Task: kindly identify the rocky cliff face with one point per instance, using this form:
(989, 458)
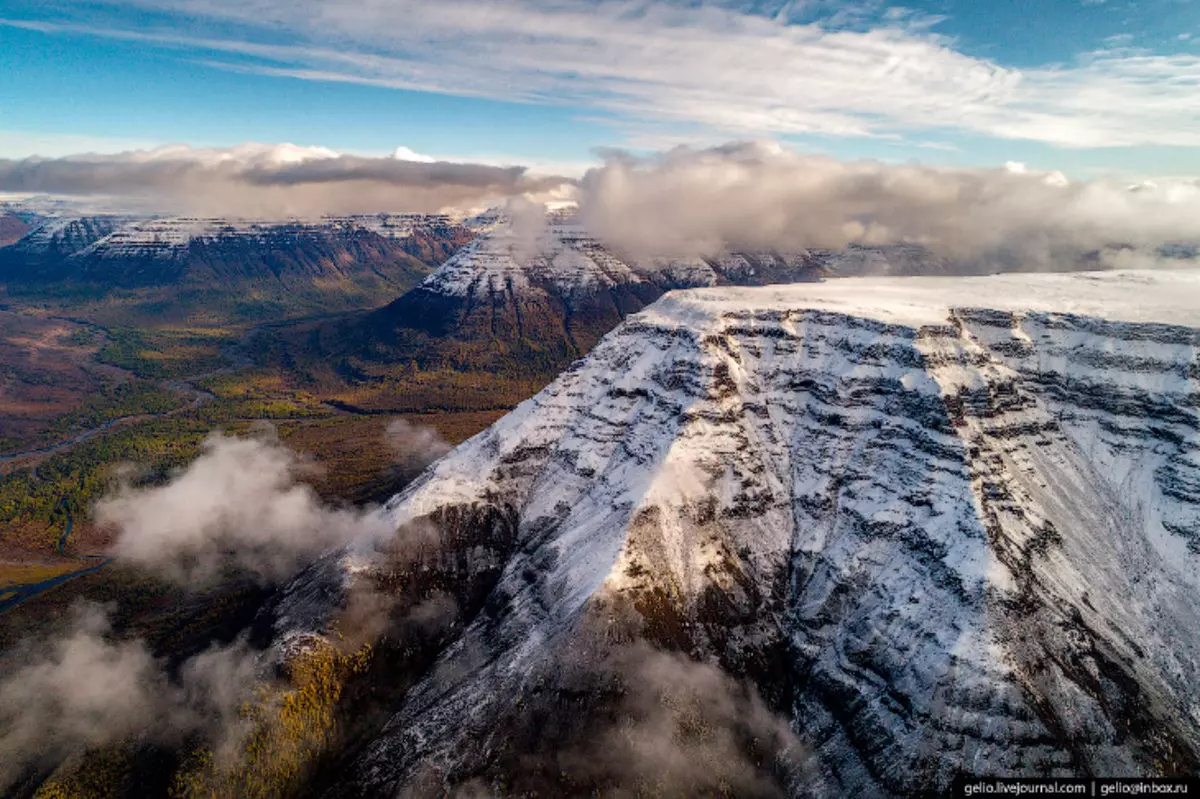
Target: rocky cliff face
(941, 526)
(56, 238)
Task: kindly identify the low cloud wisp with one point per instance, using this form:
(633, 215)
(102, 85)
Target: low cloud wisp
(413, 447)
(87, 688)
(241, 504)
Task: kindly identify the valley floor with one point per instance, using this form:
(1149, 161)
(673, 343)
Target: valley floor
(79, 399)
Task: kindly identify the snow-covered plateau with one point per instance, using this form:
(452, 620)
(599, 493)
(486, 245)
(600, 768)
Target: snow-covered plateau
(958, 520)
(114, 236)
(380, 252)
(565, 260)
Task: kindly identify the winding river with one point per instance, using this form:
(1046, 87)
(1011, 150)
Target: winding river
(18, 594)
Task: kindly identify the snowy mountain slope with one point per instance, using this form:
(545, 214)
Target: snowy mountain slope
(67, 236)
(527, 303)
(172, 237)
(565, 260)
(939, 539)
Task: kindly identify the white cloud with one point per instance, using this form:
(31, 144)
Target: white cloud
(710, 65)
(250, 153)
(1108, 99)
(536, 166)
(88, 688)
(404, 154)
(274, 181)
(762, 196)
(240, 504)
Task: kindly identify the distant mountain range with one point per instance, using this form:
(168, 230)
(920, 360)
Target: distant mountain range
(417, 311)
(321, 266)
(128, 252)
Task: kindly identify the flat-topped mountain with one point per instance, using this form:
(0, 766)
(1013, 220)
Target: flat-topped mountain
(186, 266)
(941, 526)
(120, 251)
(55, 239)
(520, 306)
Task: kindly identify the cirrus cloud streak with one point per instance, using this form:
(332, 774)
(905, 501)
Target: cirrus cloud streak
(712, 65)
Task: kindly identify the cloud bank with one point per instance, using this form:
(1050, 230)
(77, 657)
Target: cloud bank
(686, 201)
(272, 181)
(760, 196)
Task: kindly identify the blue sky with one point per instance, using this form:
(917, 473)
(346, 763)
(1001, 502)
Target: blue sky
(1084, 86)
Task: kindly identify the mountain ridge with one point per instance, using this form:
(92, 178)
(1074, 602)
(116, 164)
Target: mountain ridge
(129, 252)
(205, 271)
(517, 307)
